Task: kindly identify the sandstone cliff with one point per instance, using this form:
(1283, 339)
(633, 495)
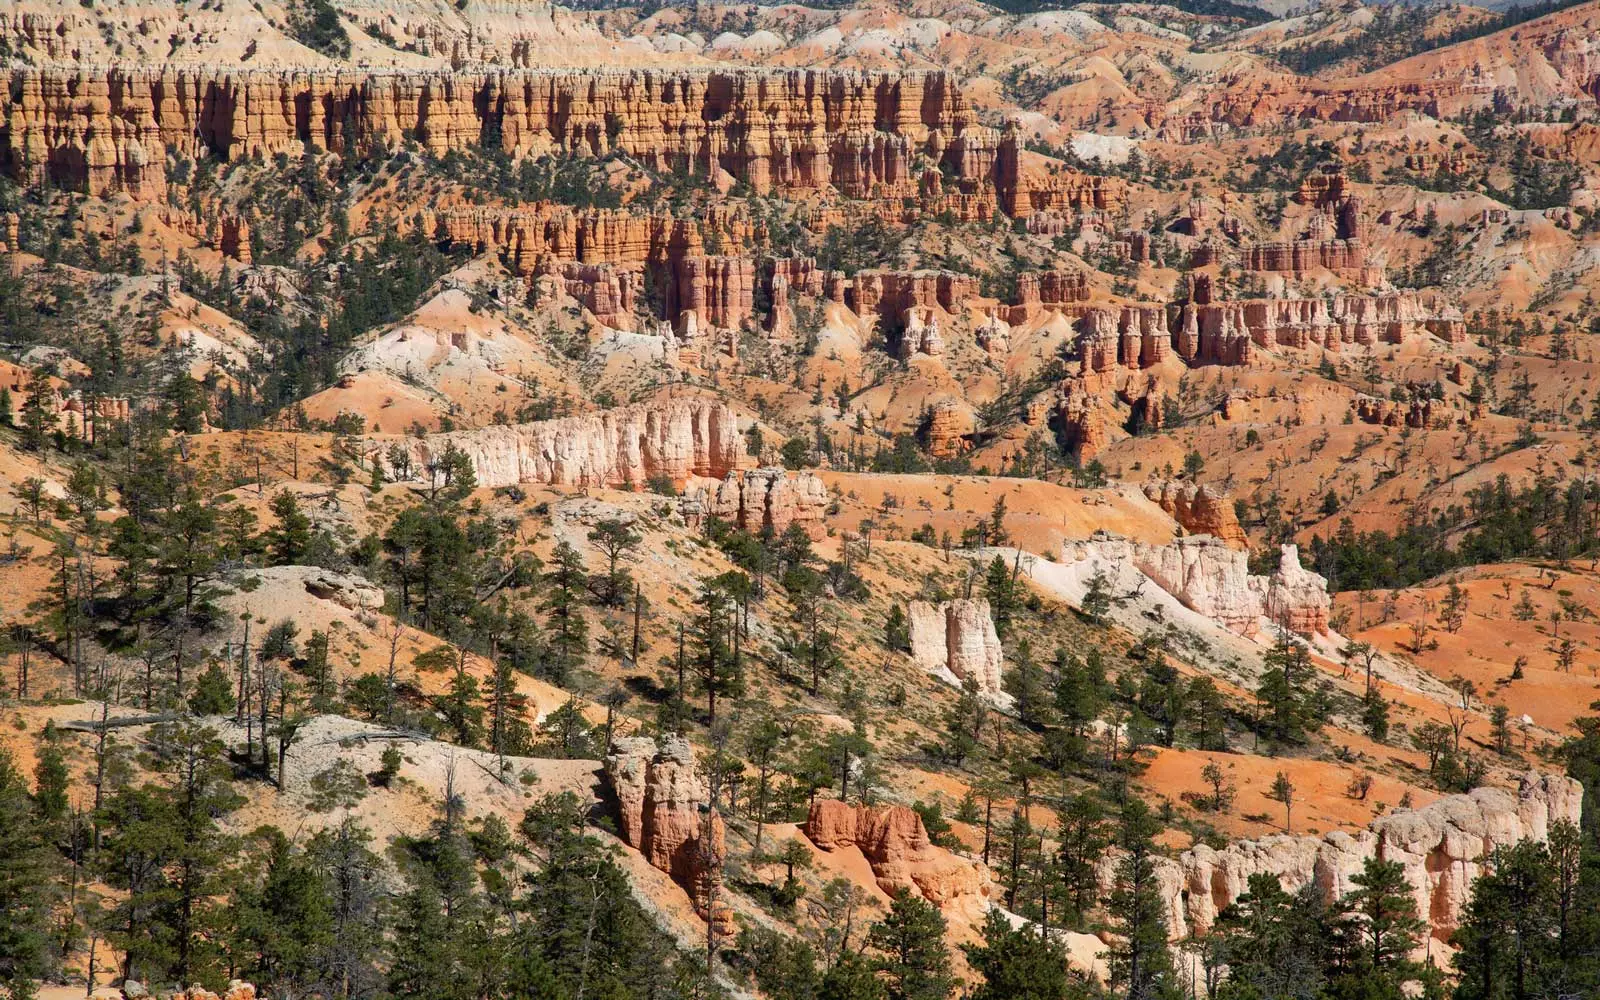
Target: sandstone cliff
(761, 499)
(1200, 509)
(676, 438)
(1214, 580)
(897, 846)
(958, 636)
(667, 816)
(1229, 333)
(1442, 846)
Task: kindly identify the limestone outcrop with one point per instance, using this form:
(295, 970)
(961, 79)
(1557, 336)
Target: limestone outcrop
(897, 847)
(958, 636)
(1200, 509)
(113, 129)
(667, 815)
(676, 439)
(761, 499)
(1214, 580)
(1228, 333)
(1422, 412)
(1133, 336)
(1442, 846)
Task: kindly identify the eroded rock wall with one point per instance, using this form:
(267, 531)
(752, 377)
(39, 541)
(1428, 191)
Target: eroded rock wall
(676, 438)
(897, 847)
(1229, 332)
(959, 636)
(667, 815)
(1442, 846)
(760, 499)
(1214, 580)
(104, 129)
(1200, 509)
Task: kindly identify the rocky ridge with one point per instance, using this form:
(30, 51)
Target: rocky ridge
(1442, 846)
(1214, 580)
(673, 439)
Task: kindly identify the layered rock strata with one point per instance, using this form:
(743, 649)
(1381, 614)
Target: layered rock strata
(675, 439)
(958, 636)
(1133, 336)
(667, 815)
(105, 129)
(1442, 846)
(897, 847)
(1213, 580)
(1201, 509)
(1229, 333)
(762, 499)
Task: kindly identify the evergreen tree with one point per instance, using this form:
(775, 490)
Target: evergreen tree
(614, 538)
(1273, 944)
(50, 780)
(290, 539)
(1141, 964)
(909, 942)
(1379, 918)
(896, 631)
(569, 631)
(284, 926)
(213, 691)
(1021, 964)
(26, 864)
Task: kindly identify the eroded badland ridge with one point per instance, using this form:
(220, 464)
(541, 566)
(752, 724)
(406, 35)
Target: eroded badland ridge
(876, 500)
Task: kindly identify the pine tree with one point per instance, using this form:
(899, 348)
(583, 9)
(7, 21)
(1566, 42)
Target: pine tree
(1141, 964)
(290, 539)
(614, 538)
(569, 631)
(1380, 919)
(37, 413)
(284, 924)
(896, 631)
(213, 691)
(909, 942)
(50, 780)
(1021, 964)
(25, 873)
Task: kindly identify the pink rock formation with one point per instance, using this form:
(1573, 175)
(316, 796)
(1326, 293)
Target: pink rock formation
(1227, 333)
(98, 130)
(677, 438)
(762, 498)
(1442, 847)
(921, 335)
(1421, 412)
(1199, 509)
(605, 290)
(896, 845)
(890, 294)
(1214, 580)
(958, 636)
(667, 816)
(946, 427)
(1133, 336)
